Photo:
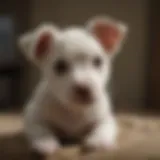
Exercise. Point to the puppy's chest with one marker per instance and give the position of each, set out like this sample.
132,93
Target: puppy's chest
72,123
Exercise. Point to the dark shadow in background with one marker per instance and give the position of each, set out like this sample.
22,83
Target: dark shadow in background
12,71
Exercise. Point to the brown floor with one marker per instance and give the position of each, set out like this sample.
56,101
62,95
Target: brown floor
139,139
10,123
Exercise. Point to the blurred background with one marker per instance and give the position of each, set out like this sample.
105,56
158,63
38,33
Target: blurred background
136,76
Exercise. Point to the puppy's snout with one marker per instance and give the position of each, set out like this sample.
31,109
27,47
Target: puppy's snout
83,93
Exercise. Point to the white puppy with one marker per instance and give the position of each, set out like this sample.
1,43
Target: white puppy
71,96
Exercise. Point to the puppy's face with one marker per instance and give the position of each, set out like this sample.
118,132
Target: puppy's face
75,61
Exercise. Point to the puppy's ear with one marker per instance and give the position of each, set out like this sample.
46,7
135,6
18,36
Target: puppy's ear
110,33
39,43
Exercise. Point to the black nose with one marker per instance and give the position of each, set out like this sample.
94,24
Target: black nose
81,90
82,93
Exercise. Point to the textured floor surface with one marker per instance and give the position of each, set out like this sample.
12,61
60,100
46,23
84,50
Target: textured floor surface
139,139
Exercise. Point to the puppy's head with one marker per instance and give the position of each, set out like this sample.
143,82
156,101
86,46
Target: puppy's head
75,61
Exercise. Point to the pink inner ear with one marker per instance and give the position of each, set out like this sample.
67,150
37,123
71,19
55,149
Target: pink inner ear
43,44
108,36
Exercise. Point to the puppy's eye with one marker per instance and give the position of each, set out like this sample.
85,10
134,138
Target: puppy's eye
61,67
97,62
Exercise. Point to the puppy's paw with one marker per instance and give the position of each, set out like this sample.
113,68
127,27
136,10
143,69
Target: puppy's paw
45,146
97,142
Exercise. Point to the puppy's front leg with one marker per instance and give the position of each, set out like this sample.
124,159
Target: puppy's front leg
41,138
44,142
103,135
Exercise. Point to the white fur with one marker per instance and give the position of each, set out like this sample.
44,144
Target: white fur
51,102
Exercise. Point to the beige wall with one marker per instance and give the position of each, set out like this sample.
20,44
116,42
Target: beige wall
129,73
